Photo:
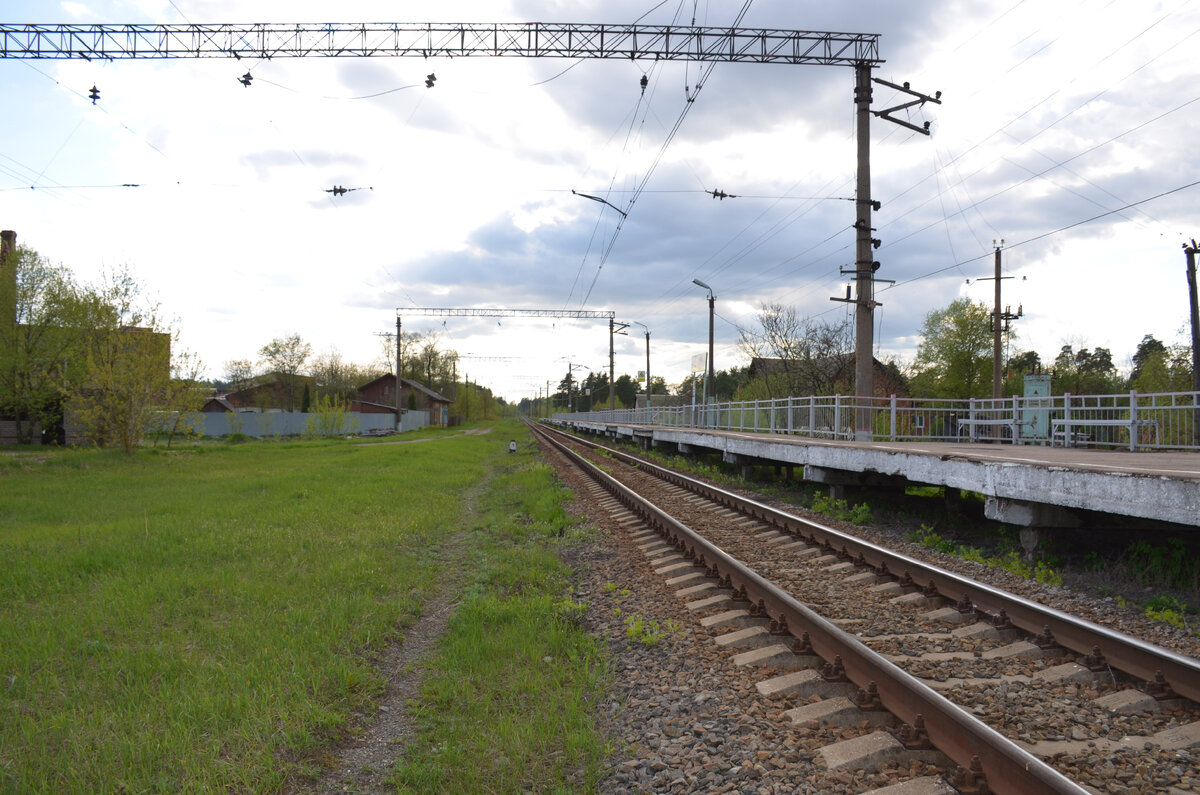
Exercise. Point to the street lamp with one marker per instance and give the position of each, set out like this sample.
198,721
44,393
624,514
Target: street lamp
643,325
708,378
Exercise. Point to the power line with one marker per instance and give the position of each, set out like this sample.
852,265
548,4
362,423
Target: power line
1043,235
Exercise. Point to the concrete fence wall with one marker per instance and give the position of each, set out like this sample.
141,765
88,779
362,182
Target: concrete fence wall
294,423
414,419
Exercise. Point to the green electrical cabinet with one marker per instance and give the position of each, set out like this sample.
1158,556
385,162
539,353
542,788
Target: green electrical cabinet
1035,410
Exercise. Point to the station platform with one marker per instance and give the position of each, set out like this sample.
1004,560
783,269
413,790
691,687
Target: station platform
1026,485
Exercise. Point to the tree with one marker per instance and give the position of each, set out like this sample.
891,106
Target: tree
126,373
1147,348
477,402
184,396
567,395
45,304
286,356
333,376
725,382
1165,369
425,362
593,391
954,358
1084,372
627,391
799,356
239,373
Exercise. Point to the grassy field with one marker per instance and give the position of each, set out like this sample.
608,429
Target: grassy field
203,619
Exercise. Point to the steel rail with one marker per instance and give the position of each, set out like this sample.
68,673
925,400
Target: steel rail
1122,652
1007,767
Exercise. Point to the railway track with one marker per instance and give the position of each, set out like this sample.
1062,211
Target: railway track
1002,694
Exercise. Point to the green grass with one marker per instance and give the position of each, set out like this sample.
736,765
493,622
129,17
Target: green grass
202,619
508,704
1041,570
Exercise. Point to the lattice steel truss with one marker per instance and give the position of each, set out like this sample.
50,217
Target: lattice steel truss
427,40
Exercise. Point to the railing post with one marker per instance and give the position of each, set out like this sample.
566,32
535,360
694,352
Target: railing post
892,435
812,415
790,423
837,416
1133,432
1067,420
971,417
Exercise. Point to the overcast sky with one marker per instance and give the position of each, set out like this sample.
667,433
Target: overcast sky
1068,129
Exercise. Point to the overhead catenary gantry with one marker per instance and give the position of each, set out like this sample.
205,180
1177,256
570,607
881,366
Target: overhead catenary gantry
526,40
431,40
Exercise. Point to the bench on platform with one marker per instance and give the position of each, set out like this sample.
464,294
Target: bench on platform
1013,425
1063,429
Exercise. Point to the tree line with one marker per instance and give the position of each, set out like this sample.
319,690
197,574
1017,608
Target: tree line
954,360
789,355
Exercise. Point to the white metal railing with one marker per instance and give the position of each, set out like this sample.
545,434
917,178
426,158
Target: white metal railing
1158,421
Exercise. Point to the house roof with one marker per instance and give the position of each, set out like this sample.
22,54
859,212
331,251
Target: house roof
413,385
218,404
426,390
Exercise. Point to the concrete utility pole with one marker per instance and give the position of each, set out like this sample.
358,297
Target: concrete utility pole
996,332
643,325
709,377
1190,253
1000,320
864,264
400,345
864,309
710,393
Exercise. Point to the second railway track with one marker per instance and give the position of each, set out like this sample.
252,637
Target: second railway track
998,693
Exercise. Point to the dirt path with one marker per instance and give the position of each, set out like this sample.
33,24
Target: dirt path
468,432
364,761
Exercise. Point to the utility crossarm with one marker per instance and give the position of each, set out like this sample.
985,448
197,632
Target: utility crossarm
429,40
473,312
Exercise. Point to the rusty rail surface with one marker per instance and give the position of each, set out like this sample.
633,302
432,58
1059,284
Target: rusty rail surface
966,740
